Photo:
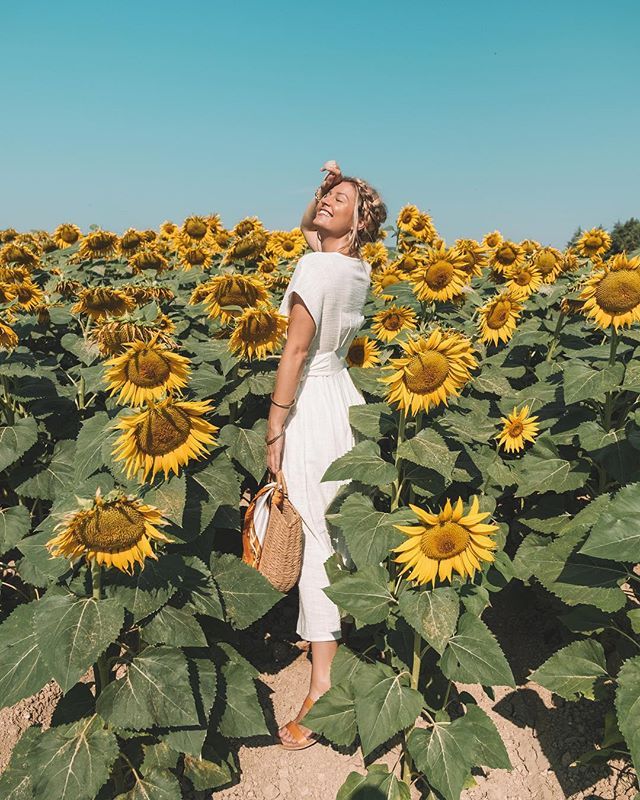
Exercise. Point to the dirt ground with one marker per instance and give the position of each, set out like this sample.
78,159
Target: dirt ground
543,733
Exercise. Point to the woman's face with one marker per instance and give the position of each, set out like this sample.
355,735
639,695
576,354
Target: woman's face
334,214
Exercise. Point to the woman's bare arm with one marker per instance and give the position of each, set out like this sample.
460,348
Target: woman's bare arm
306,226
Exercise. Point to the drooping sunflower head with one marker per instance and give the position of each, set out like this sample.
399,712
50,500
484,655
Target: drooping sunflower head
112,532
475,256
407,218
507,255
148,258
112,337
363,352
194,256
570,262
423,229
246,248
529,246
8,234
258,331
98,302
15,274
549,261
447,541
518,426
232,290
145,294
498,317
386,276
611,295
289,245
247,226
8,292
375,253
492,240
131,242
389,322
28,295
524,280
442,277
18,255
98,244
595,242
67,234
165,436
145,371
8,337
432,369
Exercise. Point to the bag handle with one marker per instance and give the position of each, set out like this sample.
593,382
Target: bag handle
280,482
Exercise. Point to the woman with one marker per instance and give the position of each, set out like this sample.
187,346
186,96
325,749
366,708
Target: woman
308,425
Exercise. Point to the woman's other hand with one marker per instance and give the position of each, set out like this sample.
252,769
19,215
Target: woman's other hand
333,176
274,452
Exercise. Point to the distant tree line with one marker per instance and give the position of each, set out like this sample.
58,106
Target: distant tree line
624,236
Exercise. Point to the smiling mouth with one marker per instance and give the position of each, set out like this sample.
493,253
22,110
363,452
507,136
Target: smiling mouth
324,211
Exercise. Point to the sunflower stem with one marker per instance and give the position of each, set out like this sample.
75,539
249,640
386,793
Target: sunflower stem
397,484
407,767
609,396
556,336
100,668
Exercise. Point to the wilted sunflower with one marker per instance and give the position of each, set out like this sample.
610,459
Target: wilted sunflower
8,234
407,217
246,248
530,246
286,244
474,255
518,427
232,290
145,371
506,256
549,261
195,256
375,253
66,235
112,532
145,294
388,323
8,337
570,261
258,331
446,541
46,242
165,436
131,242
611,295
112,337
14,274
29,295
20,255
387,276
363,352
432,370
247,226
498,317
98,302
8,292
68,288
98,244
595,242
442,277
524,280
492,239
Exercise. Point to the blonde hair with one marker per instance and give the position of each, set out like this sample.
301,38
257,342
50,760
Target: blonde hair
369,208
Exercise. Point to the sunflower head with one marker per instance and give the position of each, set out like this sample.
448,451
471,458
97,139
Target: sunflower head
443,275
98,244
8,337
524,280
498,317
507,255
67,234
234,289
474,255
112,532
389,322
611,295
595,242
363,352
386,276
548,260
258,331
98,302
492,240
288,245
517,428
447,541
407,218
130,242
375,253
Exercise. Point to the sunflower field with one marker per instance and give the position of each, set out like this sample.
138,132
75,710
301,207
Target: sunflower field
500,441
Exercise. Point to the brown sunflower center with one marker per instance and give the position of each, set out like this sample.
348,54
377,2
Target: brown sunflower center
234,296
516,428
389,278
69,235
506,255
444,540
163,430
592,243
426,372
439,275
148,368
498,315
357,354
392,322
259,328
619,292
522,277
196,229
546,263
111,528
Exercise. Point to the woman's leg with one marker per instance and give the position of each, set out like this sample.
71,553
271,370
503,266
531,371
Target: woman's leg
322,654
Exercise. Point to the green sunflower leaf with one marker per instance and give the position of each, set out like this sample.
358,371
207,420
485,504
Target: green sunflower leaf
628,706
16,439
572,671
362,463
432,613
474,656
364,594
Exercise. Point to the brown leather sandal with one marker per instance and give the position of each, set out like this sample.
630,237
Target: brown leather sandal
302,741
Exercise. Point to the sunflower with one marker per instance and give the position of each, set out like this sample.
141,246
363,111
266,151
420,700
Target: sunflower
375,253
410,260
195,256
68,288
446,541
529,246
611,295
113,532
29,295
518,427
231,290
492,240
97,244
214,222
388,323
194,232
247,226
98,302
433,369
46,242
8,292
258,331
595,242
20,255
145,371
8,234
148,258
246,248
498,317
130,242
145,294
168,229
442,277
549,261
474,254
363,352
8,337
407,218
506,256
570,261
286,244
166,435
387,276
524,280
67,234
112,337
15,274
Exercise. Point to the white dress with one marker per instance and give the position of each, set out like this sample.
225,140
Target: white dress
334,288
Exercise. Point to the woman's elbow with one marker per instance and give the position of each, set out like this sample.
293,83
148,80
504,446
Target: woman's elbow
296,351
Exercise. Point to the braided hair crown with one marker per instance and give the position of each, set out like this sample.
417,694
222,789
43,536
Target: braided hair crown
369,208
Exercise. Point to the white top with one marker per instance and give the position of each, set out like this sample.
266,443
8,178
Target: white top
334,289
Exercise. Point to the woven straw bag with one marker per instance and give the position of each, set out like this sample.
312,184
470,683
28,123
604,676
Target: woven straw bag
279,558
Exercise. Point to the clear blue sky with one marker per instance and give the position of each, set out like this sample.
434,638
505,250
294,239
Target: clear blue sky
510,115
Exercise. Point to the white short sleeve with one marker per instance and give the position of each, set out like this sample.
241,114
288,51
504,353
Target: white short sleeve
307,282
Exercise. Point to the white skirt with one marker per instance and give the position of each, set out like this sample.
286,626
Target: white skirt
317,433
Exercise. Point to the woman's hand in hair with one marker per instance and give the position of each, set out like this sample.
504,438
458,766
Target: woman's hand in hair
333,176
